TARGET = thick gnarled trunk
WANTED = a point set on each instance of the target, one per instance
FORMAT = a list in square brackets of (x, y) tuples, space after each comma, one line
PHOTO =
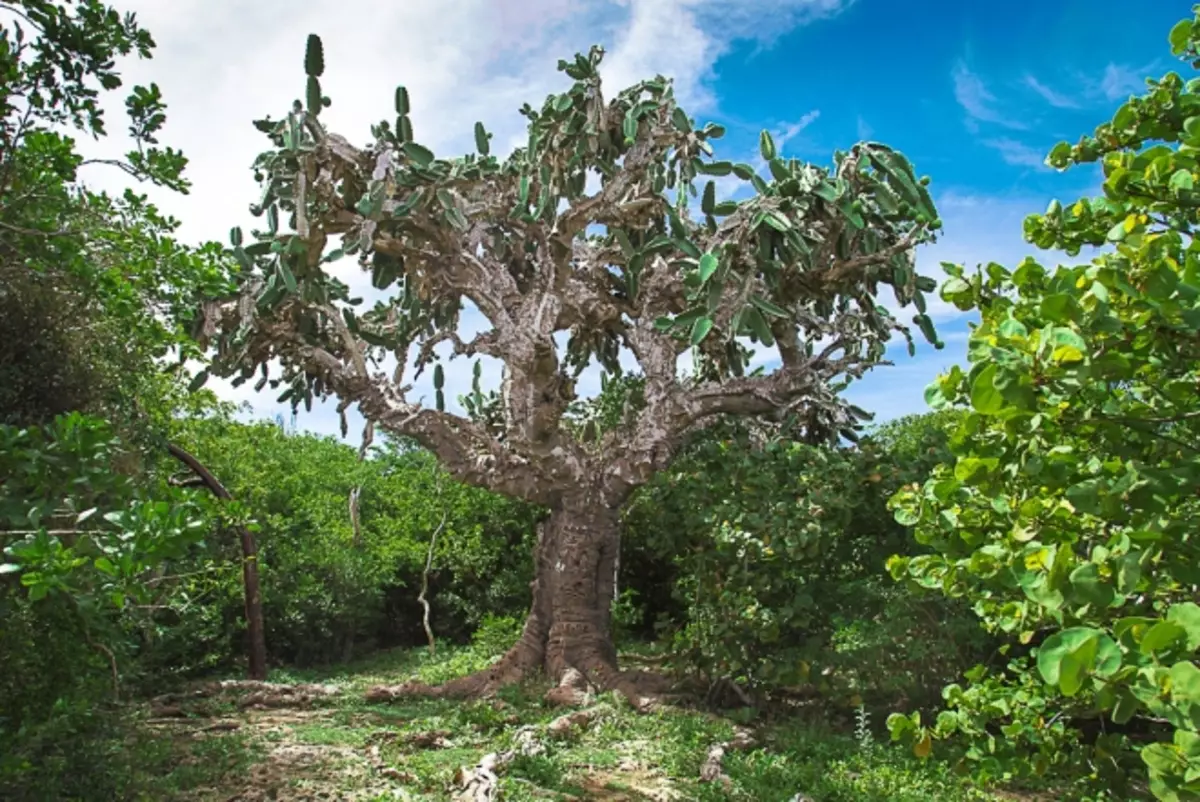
[(568, 633)]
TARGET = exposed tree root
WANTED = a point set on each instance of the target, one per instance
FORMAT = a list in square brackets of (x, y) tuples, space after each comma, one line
[(254, 694), (481, 783), (711, 770), (574, 686)]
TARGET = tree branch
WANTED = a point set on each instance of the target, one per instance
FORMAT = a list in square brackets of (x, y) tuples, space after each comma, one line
[(466, 448)]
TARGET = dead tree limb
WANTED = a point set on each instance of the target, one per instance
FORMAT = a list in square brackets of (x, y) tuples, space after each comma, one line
[(421, 597), (257, 653)]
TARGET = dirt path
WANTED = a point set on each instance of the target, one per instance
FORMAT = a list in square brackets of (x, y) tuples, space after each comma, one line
[(252, 742), (239, 740), (255, 741)]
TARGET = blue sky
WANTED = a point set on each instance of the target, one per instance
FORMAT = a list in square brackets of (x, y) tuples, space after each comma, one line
[(973, 96)]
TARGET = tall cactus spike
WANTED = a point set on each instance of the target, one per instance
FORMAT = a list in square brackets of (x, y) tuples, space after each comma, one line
[(312, 96), (401, 100), (314, 57), (481, 139)]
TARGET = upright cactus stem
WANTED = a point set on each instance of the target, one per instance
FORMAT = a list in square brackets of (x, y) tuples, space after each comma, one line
[(314, 66), (314, 57), (403, 129), (312, 96), (481, 139)]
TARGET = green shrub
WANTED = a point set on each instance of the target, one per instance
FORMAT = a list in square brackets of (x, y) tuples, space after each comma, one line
[(775, 554), (1067, 515), (327, 592)]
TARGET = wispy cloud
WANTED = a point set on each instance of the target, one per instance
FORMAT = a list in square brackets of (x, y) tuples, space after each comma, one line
[(1017, 153), (1120, 81), (863, 130), (1054, 98), (789, 131), (977, 101)]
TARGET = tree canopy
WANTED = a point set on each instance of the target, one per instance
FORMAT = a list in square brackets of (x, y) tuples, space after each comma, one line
[(591, 230)]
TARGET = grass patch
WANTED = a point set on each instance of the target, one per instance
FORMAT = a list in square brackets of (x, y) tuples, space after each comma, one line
[(345, 748)]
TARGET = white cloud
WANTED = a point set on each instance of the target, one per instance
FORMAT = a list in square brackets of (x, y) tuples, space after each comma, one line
[(791, 130), (1120, 81), (1018, 153), (977, 101), (1055, 99)]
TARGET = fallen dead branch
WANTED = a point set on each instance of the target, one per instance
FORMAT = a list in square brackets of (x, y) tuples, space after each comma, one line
[(482, 782), (712, 770), (225, 725)]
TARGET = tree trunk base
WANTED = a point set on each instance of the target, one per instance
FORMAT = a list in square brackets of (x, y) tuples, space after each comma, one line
[(574, 683), (567, 637)]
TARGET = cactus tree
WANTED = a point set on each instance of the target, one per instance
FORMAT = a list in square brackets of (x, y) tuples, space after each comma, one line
[(648, 262)]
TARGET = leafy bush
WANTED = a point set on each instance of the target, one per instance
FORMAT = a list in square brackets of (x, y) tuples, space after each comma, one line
[(86, 545), (776, 555), (328, 592), (1067, 517)]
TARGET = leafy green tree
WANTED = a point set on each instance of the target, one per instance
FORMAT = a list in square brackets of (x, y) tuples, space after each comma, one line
[(94, 295), (93, 289), (633, 266), (1068, 515)]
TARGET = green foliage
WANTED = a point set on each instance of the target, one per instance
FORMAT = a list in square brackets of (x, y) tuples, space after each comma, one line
[(125, 289), (1068, 514), (74, 524), (93, 289), (327, 594), (855, 222), (775, 553), (94, 293), (55, 59), (86, 538)]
